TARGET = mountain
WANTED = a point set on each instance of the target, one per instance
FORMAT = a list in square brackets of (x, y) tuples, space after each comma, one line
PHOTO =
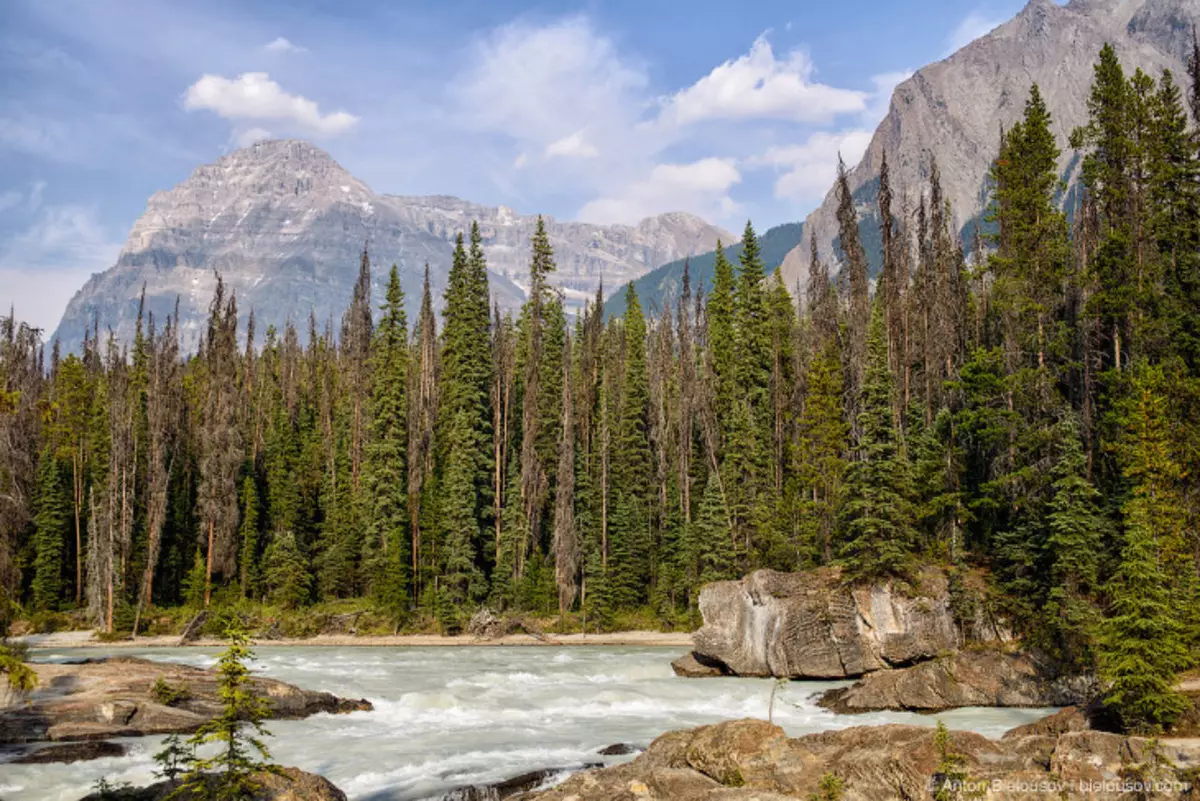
[(660, 287), (954, 109), (285, 226)]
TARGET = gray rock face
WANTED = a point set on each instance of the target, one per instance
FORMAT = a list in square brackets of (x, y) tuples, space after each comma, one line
[(809, 625), (285, 226), (967, 678), (953, 110)]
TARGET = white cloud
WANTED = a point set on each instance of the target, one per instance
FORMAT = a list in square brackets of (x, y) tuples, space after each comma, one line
[(280, 46), (702, 185), (809, 169), (573, 146), (973, 26), (43, 266), (760, 86), (254, 96), (539, 85), (252, 135)]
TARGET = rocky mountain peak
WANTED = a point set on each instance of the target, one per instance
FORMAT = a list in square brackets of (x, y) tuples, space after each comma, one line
[(954, 109), (285, 225)]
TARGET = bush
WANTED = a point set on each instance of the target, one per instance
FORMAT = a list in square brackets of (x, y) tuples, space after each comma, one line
[(169, 694)]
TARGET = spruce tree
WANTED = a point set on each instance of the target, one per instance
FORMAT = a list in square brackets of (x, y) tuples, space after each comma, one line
[(1142, 645), (228, 775), (876, 518), (285, 572), (386, 555), (51, 528), (1074, 546), (720, 315)]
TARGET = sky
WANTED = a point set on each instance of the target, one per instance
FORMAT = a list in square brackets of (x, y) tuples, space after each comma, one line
[(598, 111)]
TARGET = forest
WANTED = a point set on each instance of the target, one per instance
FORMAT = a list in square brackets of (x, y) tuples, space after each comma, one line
[(1024, 405)]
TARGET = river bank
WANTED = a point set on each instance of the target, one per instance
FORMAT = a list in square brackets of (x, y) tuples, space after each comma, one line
[(88, 639)]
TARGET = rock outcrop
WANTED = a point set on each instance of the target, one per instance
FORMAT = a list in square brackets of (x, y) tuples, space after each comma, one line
[(812, 626), (117, 697), (752, 760), (697, 666), (966, 678), (285, 226), (283, 784)]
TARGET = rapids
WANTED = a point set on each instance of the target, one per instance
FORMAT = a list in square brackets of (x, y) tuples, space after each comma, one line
[(451, 716)]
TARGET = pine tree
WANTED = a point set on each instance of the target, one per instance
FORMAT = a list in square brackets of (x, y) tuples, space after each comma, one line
[(285, 572), (855, 263), (876, 517), (1142, 644), (386, 553), (630, 565), (461, 580), (1074, 546), (715, 557), (248, 534), (238, 731), (51, 527), (720, 316)]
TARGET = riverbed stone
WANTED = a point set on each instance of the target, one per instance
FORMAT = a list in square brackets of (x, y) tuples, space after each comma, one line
[(99, 699), (751, 759), (966, 678), (279, 784)]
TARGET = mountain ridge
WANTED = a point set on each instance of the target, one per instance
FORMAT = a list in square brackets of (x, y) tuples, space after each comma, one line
[(285, 225), (953, 109)]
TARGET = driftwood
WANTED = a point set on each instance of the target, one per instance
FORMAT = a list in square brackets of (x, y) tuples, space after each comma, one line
[(487, 625), (194, 628)]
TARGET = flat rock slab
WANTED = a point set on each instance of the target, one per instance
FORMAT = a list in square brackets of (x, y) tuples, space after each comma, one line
[(966, 678), (282, 784), (104, 698)]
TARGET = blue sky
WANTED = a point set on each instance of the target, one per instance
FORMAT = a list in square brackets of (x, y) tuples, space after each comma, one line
[(602, 111)]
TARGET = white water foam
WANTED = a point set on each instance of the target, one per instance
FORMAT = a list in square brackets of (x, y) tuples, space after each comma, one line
[(445, 718)]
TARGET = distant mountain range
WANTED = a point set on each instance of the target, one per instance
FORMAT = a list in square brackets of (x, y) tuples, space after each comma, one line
[(285, 225)]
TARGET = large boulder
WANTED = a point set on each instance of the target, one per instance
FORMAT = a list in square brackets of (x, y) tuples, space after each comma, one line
[(128, 697), (751, 760), (278, 784), (965, 678), (811, 625)]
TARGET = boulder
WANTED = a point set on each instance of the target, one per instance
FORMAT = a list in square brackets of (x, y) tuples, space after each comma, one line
[(281, 784), (751, 760), (71, 752), (697, 666), (811, 625), (98, 699), (966, 678)]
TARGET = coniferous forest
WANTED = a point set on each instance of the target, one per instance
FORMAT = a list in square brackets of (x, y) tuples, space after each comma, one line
[(1025, 405)]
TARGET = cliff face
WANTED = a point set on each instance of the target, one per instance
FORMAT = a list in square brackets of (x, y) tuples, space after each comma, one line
[(285, 226), (954, 109)]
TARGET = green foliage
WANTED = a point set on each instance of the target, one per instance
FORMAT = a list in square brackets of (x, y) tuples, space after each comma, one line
[(237, 732), (286, 574), (51, 529), (20, 677), (169, 694), (172, 759), (878, 538), (831, 788)]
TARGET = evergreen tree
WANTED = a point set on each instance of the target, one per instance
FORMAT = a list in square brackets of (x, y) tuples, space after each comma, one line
[(237, 731), (1142, 645), (248, 534), (720, 317), (1074, 544), (285, 572), (386, 553), (876, 518), (51, 528)]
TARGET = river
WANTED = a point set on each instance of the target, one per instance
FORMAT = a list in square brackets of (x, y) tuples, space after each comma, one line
[(446, 717)]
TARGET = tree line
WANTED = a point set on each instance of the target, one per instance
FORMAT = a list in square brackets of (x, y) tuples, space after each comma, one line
[(1024, 403)]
